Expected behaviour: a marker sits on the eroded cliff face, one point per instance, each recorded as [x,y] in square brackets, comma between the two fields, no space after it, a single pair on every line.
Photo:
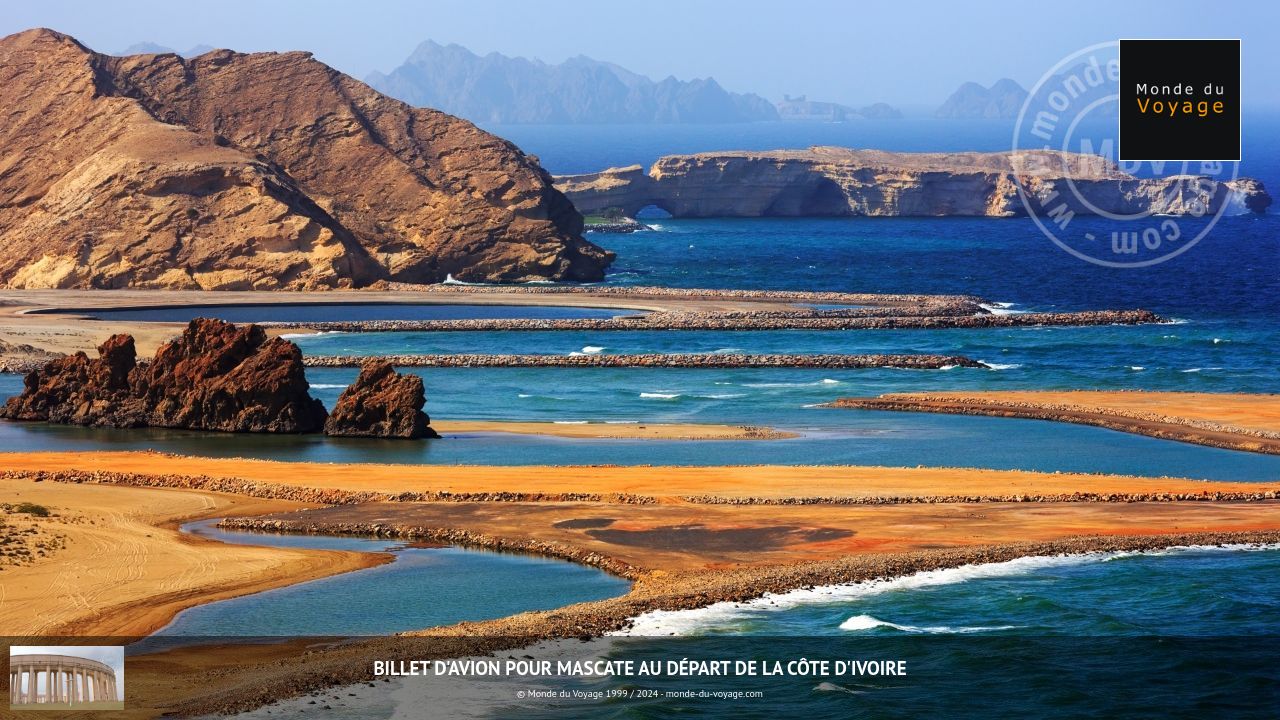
[270,170]
[827,181]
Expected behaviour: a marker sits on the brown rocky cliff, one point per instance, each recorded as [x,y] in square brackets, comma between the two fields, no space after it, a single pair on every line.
[381,403]
[232,171]
[832,181]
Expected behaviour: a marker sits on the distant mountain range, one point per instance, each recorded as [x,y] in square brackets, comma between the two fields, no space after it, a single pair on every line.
[1002,100]
[500,89]
[801,108]
[150,48]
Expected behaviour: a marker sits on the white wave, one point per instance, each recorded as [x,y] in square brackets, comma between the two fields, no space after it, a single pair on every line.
[692,622]
[1177,321]
[1001,308]
[1196,369]
[318,333]
[1000,366]
[449,279]
[569,422]
[621,422]
[725,351]
[326,386]
[1235,204]
[1219,341]
[592,350]
[722,396]
[947,367]
[824,381]
[1137,368]
[867,622]
[524,395]
[659,395]
[656,226]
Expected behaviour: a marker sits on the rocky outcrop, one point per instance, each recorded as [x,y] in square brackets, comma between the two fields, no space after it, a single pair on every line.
[214,377]
[218,376]
[831,181]
[381,403]
[257,171]
[500,89]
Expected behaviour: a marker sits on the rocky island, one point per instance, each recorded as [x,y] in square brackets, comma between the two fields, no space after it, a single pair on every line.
[256,171]
[216,376]
[834,181]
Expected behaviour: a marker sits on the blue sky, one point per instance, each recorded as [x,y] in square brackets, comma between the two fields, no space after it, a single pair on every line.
[905,53]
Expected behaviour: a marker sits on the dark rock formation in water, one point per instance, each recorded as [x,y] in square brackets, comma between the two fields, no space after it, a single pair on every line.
[216,376]
[77,390]
[500,89]
[381,403]
[836,181]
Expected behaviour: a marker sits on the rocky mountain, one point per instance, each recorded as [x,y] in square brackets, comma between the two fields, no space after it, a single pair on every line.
[801,108]
[500,89]
[259,171]
[1002,100]
[833,181]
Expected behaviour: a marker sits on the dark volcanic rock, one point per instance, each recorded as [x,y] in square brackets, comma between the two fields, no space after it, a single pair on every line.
[215,377]
[381,403]
[221,377]
[75,390]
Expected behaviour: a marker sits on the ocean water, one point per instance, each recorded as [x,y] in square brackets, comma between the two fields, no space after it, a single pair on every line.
[422,587]
[1183,633]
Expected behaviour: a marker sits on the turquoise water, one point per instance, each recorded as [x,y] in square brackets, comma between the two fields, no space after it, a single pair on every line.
[423,587]
[779,399]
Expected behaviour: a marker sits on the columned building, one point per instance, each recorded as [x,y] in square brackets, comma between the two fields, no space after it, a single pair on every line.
[62,679]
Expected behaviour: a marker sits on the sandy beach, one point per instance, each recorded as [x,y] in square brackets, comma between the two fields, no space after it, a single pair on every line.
[125,569]
[1228,420]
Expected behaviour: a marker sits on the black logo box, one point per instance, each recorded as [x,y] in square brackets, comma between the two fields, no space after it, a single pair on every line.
[1189,64]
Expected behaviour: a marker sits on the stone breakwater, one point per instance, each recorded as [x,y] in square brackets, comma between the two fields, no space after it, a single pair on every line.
[799,320]
[329,496]
[294,493]
[656,360]
[1075,497]
[640,291]
[1166,427]
[316,668]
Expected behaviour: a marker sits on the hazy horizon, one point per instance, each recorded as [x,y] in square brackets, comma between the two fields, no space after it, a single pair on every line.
[909,55]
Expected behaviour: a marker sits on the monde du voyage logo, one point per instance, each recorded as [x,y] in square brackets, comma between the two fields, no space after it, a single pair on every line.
[1157,119]
[1179,100]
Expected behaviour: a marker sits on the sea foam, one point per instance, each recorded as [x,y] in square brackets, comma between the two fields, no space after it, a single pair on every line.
[694,622]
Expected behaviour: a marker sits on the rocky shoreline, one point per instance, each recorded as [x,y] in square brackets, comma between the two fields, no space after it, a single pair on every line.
[318,667]
[1165,427]
[772,320]
[657,360]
